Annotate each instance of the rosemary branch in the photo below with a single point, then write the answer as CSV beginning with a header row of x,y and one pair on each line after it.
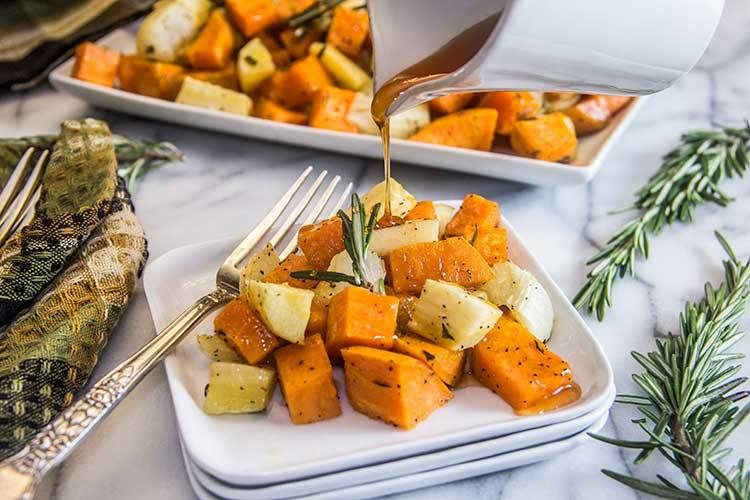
x,y
690,394
135,158
690,176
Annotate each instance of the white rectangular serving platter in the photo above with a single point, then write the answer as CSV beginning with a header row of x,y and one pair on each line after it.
x,y
497,164
424,479
262,449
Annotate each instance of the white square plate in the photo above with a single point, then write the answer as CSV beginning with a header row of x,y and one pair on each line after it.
x,y
266,448
499,164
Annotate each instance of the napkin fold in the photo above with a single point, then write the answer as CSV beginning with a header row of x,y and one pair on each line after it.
x,y
74,268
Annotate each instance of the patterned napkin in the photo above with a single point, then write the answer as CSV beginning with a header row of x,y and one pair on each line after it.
x,y
65,279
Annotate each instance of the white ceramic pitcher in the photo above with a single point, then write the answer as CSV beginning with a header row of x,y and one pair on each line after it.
x,y
590,46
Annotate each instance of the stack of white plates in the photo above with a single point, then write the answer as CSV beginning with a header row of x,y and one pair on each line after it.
x,y
264,456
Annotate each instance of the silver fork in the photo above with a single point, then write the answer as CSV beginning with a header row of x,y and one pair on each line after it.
x,y
20,474
20,193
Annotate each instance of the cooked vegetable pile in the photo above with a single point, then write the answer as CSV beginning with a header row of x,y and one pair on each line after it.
x,y
403,309
306,62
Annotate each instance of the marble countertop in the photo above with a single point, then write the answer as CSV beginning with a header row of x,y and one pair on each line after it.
x,y
226,182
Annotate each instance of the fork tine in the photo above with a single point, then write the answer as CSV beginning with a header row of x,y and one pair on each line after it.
x,y
292,218
15,181
340,202
29,212
313,216
13,217
244,248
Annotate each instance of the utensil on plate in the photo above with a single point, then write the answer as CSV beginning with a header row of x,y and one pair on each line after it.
x,y
20,474
20,193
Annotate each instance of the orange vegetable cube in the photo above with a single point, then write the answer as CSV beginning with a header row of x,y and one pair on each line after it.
x,y
298,46
475,212
519,368
550,137
321,242
492,244
471,128
451,103
453,260
273,87
302,80
511,107
392,387
593,112
447,364
245,332
225,77
150,78
349,30
330,107
270,110
318,322
306,380
282,272
279,54
290,8
251,16
96,64
423,210
213,47
359,317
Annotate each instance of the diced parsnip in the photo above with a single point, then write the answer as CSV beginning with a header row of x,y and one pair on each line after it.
x,y
172,24
385,240
445,214
450,316
524,296
285,310
402,125
254,65
207,95
342,263
344,70
560,101
238,388
401,200
216,348
259,266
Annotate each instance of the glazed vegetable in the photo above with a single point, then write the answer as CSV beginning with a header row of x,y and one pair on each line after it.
x,y
560,101
451,103
254,65
238,388
302,80
279,55
423,210
516,366
447,364
450,316
444,214
213,47
453,260
270,110
342,263
385,240
297,42
511,107
306,379
96,64
349,30
318,322
344,70
524,296
217,348
225,77
359,317
284,310
170,27
491,243
150,78
475,212
402,200
391,387
593,112
245,332
329,108
321,242
207,95
259,266
289,8
251,16
549,137
470,128
402,125
282,272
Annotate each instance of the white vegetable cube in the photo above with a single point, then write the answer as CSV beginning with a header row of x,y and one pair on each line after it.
x,y
284,310
345,71
216,348
449,315
444,215
170,27
207,95
238,388
524,296
342,263
402,200
402,125
388,239
259,266
254,65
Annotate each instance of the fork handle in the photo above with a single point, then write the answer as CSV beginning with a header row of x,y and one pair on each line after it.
x,y
20,474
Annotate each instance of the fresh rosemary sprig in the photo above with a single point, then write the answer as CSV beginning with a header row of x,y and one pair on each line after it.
x,y
690,175
314,11
690,395
358,231
136,158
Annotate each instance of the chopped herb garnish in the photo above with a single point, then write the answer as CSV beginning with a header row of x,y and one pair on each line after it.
x,y
446,333
381,384
428,355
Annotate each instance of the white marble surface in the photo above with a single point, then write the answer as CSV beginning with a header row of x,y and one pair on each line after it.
x,y
226,182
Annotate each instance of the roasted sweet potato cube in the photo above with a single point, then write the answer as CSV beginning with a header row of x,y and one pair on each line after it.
x,y
471,128
423,210
447,364
303,78
321,242
511,107
225,77
450,103
359,317
593,112
475,212
282,272
549,137
213,47
516,366
349,30
492,244
298,44
245,332
453,260
251,16
96,64
270,110
318,322
330,106
150,78
392,387
273,88
289,8
306,380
